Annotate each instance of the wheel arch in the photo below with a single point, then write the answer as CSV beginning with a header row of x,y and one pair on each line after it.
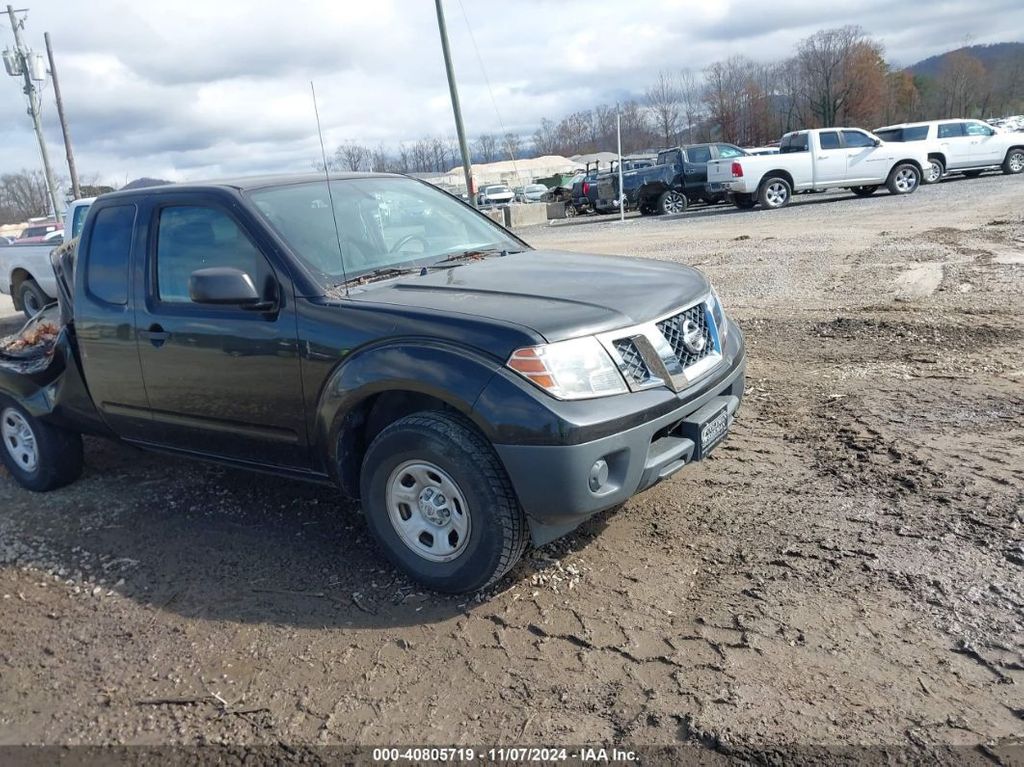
x,y
19,276
375,387
780,173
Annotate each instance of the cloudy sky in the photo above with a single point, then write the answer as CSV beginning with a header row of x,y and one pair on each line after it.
x,y
198,89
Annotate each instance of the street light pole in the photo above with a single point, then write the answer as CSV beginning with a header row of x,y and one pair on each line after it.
x,y
33,107
467,166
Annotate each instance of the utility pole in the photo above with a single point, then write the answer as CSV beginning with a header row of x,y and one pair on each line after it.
x,y
76,190
618,138
467,166
22,58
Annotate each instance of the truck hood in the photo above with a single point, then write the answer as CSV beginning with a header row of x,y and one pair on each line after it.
x,y
558,295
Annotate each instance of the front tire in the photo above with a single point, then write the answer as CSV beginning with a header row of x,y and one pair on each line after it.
x,y
439,502
863,191
671,202
775,192
934,172
1014,162
903,179
39,456
32,298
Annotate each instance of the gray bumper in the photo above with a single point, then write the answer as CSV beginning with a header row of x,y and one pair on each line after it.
x,y
554,483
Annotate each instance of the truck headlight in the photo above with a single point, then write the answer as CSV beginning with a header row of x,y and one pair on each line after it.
x,y
575,369
721,321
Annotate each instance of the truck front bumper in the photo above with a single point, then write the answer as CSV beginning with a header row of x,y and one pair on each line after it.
x,y
561,485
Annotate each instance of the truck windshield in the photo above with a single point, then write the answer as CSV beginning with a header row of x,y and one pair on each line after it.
x,y
383,222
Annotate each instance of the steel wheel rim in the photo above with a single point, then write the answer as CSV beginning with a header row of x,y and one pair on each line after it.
x,y
674,203
428,511
906,180
19,439
31,303
934,171
777,194
1017,162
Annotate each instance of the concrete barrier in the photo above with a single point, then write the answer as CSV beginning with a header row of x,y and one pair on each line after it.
x,y
556,210
527,215
496,214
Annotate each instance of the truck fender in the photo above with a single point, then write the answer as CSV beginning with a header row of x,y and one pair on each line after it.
x,y
441,371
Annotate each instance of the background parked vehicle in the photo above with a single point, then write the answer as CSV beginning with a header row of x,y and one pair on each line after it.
x,y
37,233
4,241
678,177
969,147
531,193
761,150
25,270
495,194
821,159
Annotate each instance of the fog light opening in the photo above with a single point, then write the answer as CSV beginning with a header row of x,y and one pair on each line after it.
x,y
598,475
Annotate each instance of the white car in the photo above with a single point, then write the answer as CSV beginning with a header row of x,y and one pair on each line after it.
x,y
26,273
815,160
961,146
495,194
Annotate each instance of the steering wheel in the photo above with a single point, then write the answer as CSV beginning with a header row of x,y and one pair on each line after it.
x,y
406,240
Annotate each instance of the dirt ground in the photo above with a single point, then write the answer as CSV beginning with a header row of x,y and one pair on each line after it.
x,y
847,570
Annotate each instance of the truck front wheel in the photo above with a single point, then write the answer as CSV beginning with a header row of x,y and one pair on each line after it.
x,y
439,502
39,456
1014,162
904,179
775,192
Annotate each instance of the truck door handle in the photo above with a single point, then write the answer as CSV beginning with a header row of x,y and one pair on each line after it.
x,y
156,335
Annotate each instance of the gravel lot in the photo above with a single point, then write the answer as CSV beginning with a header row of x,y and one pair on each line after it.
x,y
847,569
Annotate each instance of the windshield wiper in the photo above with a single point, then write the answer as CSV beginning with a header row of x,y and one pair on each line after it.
x,y
473,254
384,273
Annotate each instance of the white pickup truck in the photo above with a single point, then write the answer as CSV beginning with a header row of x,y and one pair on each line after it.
x,y
829,158
26,274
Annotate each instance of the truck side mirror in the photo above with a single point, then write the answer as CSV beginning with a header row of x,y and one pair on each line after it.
x,y
878,142
223,286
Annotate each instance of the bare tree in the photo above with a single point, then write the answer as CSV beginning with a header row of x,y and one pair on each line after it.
x,y
487,147
513,144
963,84
664,99
351,156
690,91
23,195
824,60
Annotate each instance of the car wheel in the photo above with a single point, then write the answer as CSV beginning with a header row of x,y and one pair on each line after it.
x,y
32,298
744,201
775,192
439,502
570,211
863,191
671,201
1014,162
934,172
39,456
904,179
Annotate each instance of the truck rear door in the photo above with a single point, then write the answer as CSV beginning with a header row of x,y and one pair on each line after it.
x,y
104,315
221,379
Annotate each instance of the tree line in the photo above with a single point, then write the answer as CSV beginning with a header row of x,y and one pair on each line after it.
x,y
833,77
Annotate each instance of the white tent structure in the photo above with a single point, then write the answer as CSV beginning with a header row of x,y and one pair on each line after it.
x,y
513,173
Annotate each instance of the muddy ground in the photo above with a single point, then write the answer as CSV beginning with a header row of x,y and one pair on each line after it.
x,y
847,569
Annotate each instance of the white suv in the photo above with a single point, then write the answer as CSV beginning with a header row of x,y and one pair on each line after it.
x,y
961,146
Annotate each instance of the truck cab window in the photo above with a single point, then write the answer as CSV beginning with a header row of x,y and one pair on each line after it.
x,y
191,238
110,244
855,139
829,140
727,151
794,142
699,154
978,129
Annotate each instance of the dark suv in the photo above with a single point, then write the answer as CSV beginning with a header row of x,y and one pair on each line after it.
x,y
385,337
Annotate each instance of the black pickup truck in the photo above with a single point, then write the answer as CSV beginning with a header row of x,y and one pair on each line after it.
x,y
678,177
381,336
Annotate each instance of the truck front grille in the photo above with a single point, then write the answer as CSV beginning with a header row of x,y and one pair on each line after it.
x,y
673,330
633,366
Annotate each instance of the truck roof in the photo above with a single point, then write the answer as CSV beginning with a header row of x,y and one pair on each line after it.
x,y
242,183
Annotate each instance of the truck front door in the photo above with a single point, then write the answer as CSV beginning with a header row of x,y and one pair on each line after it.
x,y
221,379
865,162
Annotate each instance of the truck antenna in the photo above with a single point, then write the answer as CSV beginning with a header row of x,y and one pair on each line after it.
x,y
330,194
